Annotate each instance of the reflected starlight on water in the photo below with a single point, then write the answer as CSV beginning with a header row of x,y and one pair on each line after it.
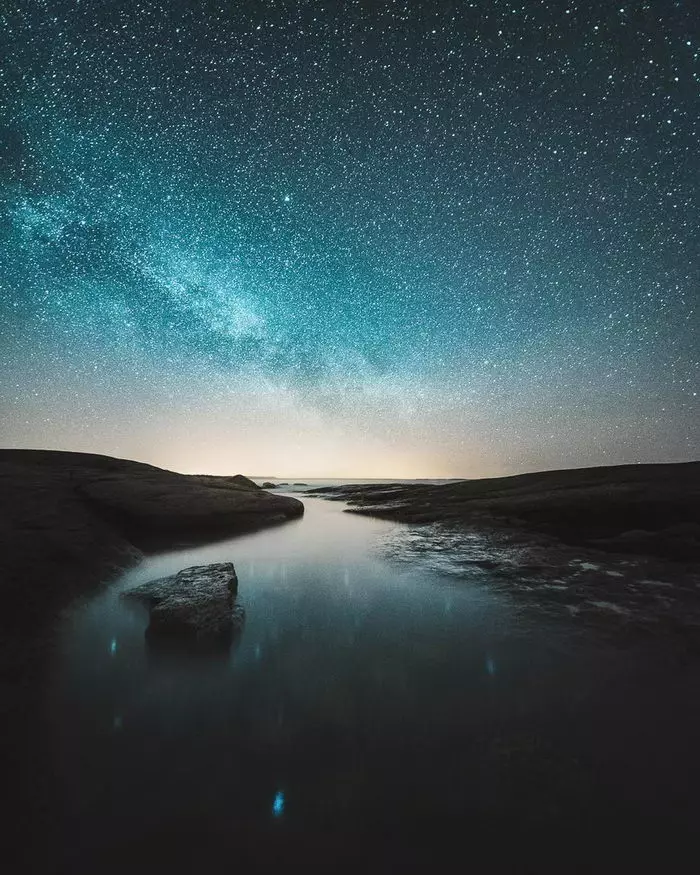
x,y
376,707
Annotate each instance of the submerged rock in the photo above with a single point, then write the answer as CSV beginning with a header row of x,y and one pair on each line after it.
x,y
197,604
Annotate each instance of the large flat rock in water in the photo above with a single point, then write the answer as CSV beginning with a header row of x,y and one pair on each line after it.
x,y
197,604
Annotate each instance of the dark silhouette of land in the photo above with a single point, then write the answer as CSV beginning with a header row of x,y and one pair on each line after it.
x,y
640,509
68,520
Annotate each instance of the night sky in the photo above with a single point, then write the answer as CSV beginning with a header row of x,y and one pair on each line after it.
x,y
351,239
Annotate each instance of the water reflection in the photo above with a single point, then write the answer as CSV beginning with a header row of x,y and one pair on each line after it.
x,y
363,691
171,650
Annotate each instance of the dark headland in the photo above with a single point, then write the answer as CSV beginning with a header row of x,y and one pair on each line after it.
x,y
639,509
68,520
613,548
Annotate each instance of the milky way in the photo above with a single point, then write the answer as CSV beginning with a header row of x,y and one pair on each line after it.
x,y
361,239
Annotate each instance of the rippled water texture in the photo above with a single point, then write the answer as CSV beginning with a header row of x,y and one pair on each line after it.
x,y
372,716
619,595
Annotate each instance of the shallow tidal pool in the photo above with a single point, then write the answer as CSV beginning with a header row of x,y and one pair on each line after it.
x,y
373,715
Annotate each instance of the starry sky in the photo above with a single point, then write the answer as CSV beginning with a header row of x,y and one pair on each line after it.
x,y
351,239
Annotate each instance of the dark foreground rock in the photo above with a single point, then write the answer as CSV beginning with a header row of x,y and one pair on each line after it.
x,y
197,605
639,509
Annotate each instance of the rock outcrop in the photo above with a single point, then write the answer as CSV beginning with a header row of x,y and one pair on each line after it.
x,y
196,605
69,520
224,481
645,509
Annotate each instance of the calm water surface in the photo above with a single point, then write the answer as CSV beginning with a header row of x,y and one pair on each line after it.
x,y
372,716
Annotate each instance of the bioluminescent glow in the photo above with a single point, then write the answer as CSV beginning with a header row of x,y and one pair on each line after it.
x,y
278,804
113,647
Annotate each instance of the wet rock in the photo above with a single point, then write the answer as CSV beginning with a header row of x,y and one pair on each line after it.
x,y
268,485
197,604
616,596
646,510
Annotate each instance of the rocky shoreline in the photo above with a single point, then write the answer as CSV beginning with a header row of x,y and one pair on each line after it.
x,y
70,520
638,509
615,550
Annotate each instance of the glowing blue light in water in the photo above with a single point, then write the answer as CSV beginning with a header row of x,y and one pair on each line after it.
x,y
113,647
490,666
278,804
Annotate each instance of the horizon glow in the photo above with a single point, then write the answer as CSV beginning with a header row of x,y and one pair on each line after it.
x,y
398,241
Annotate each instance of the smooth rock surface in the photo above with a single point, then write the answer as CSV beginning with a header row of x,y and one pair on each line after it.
x,y
638,509
70,520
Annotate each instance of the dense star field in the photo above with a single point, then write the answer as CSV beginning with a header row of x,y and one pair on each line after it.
x,y
351,239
